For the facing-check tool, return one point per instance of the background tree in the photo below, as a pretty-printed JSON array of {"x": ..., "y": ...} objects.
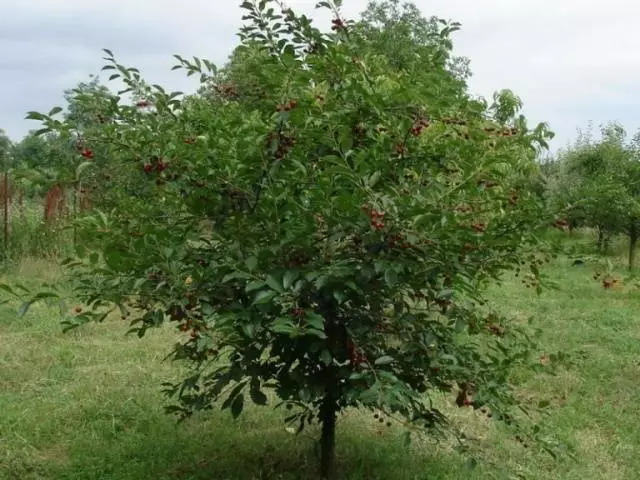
[
  {"x": 5, "y": 149},
  {"x": 599, "y": 179},
  {"x": 358, "y": 210}
]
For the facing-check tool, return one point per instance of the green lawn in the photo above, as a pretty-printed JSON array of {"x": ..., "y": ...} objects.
[{"x": 87, "y": 404}]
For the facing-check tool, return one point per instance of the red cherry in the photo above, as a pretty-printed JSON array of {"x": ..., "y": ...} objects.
[
  {"x": 147, "y": 167},
  {"x": 479, "y": 227},
  {"x": 87, "y": 153}
]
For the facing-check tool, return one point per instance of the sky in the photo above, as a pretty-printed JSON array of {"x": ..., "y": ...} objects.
[{"x": 571, "y": 61}]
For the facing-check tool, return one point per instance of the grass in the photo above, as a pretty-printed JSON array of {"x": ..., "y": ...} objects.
[{"x": 87, "y": 404}]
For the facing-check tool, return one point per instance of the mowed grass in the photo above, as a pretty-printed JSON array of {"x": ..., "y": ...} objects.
[{"x": 87, "y": 404}]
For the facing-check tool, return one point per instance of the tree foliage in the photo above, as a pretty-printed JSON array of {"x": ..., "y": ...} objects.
[
  {"x": 320, "y": 223},
  {"x": 600, "y": 182}
]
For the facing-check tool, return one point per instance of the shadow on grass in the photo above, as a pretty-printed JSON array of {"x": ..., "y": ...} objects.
[{"x": 217, "y": 448}]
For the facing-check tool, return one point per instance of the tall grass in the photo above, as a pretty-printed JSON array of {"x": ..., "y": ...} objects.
[{"x": 31, "y": 237}]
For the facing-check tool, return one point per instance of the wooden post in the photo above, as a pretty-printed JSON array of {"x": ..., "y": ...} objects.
[
  {"x": 22, "y": 214},
  {"x": 75, "y": 213},
  {"x": 6, "y": 212}
]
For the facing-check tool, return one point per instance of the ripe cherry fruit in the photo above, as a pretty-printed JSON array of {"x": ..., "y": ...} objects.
[
  {"x": 338, "y": 24},
  {"x": 161, "y": 165},
  {"x": 87, "y": 153}
]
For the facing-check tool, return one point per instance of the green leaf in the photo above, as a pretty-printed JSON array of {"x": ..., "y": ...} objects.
[
  {"x": 264, "y": 296},
  {"x": 274, "y": 283},
  {"x": 256, "y": 284},
  {"x": 339, "y": 296},
  {"x": 83, "y": 166},
  {"x": 315, "y": 321},
  {"x": 35, "y": 116},
  {"x": 55, "y": 110},
  {"x": 41, "y": 131},
  {"x": 251, "y": 263},
  {"x": 390, "y": 277},
  {"x": 235, "y": 275},
  {"x": 385, "y": 360},
  {"x": 284, "y": 325},
  {"x": 325, "y": 357},
  {"x": 289, "y": 277},
  {"x": 249, "y": 329},
  {"x": 304, "y": 394},
  {"x": 446, "y": 293}
]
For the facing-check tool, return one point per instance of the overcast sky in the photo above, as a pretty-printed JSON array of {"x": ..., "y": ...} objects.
[{"x": 571, "y": 61}]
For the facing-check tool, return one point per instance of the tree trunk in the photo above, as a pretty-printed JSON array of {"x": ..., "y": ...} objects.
[
  {"x": 336, "y": 336},
  {"x": 600, "y": 241},
  {"x": 328, "y": 439},
  {"x": 633, "y": 240},
  {"x": 605, "y": 245}
]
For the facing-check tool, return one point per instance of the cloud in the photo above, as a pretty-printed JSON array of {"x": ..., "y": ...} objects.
[{"x": 570, "y": 61}]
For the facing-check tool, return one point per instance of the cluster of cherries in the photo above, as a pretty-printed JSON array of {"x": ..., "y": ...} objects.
[
  {"x": 228, "y": 90},
  {"x": 297, "y": 259},
  {"x": 496, "y": 329},
  {"x": 487, "y": 183},
  {"x": 419, "y": 126},
  {"x": 84, "y": 151},
  {"x": 397, "y": 240},
  {"x": 377, "y": 217},
  {"x": 337, "y": 24},
  {"x": 159, "y": 165},
  {"x": 298, "y": 313},
  {"x": 285, "y": 143},
  {"x": 607, "y": 280},
  {"x": 453, "y": 121},
  {"x": 464, "y": 208},
  {"x": 560, "y": 224},
  {"x": 286, "y": 107},
  {"x": 479, "y": 227},
  {"x": 355, "y": 355}
]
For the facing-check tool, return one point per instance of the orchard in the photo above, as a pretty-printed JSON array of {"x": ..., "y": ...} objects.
[{"x": 320, "y": 221}]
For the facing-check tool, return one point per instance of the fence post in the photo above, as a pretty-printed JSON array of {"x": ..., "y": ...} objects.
[{"x": 6, "y": 212}]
